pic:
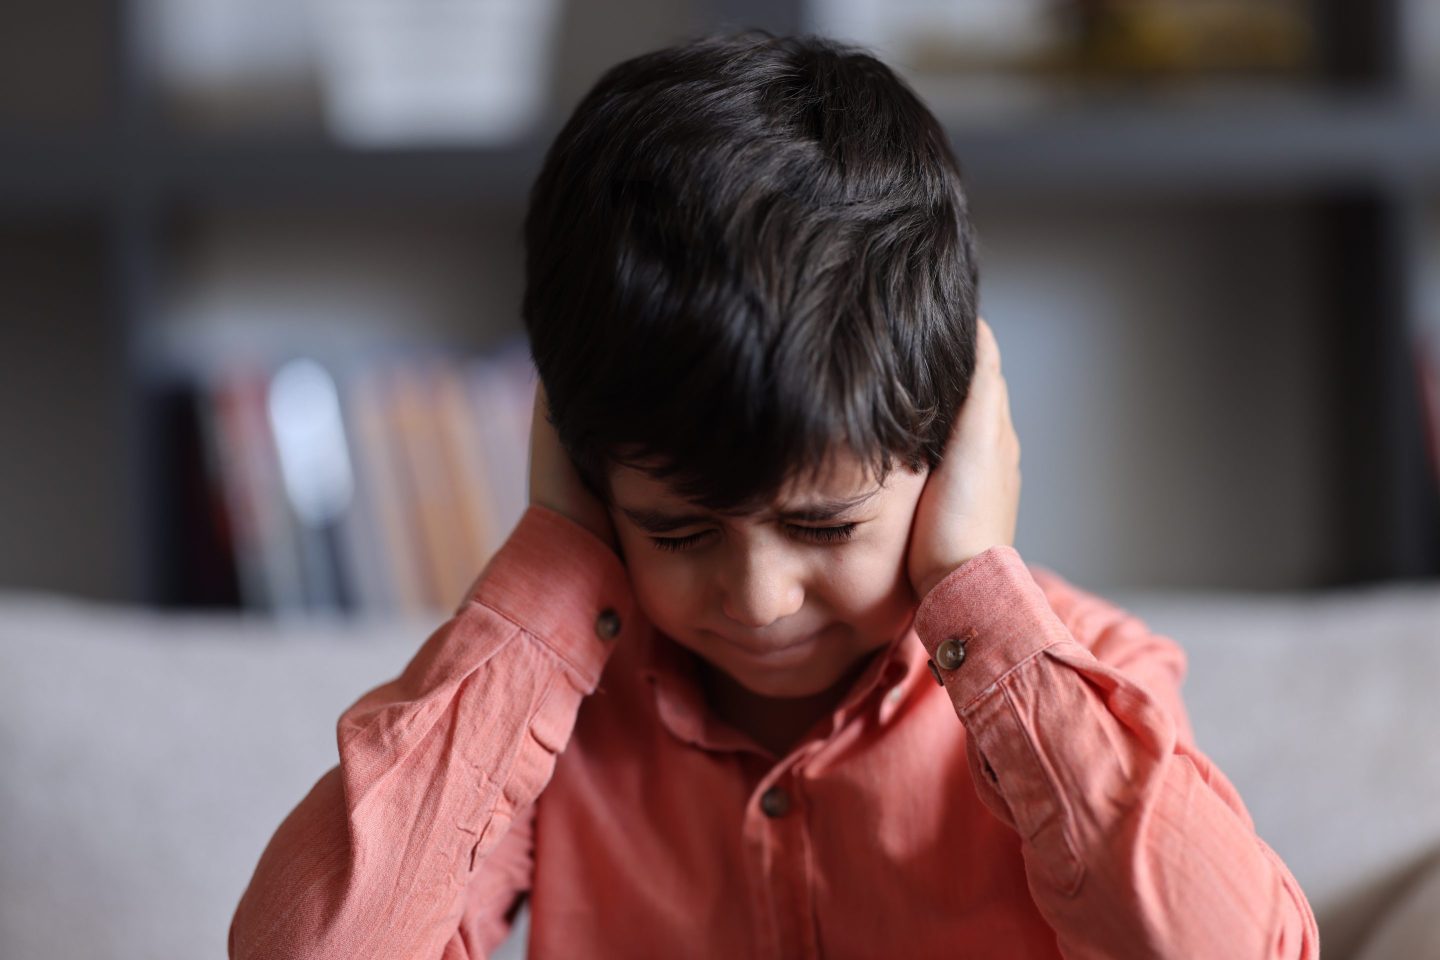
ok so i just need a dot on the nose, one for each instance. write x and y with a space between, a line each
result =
758 590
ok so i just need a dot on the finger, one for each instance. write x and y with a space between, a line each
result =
987 349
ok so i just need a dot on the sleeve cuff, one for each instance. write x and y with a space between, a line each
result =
565 586
993 607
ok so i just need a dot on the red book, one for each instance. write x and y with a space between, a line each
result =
266 548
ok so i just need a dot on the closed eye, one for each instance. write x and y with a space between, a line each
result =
836 534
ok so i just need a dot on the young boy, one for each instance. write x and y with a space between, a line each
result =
811 701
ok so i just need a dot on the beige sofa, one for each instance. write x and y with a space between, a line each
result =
148 757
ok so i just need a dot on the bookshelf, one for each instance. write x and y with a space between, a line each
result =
95 172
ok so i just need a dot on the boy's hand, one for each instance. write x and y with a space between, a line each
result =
554 481
971 499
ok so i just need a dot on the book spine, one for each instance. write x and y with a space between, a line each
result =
431 495
465 464
381 475
269 549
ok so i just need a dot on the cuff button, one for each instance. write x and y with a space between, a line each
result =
950 654
607 625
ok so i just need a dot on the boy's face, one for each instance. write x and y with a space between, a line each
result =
774 600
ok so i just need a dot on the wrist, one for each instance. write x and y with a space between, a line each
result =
924 584
937 572
597 524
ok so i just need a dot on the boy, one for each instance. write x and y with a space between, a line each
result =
765 599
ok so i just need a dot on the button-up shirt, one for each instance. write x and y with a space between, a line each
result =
1044 799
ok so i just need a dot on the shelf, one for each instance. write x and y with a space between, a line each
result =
1303 143
105 165
265 169
1289 144
1239 144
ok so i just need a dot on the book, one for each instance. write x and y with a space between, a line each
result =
381 492
431 499
264 536
318 480
465 460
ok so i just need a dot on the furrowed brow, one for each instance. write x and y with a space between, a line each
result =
658 521
827 509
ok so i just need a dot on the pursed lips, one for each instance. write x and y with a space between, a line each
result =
769 648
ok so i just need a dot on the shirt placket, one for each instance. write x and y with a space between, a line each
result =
779 865
777 855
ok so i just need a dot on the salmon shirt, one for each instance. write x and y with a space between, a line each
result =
1013 778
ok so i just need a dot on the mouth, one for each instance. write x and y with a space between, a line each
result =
771 650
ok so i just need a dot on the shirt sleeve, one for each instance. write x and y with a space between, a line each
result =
400 851
1135 844
494 892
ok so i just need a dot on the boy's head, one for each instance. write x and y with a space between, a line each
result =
751 285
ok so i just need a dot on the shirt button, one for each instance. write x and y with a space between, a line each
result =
950 654
607 625
775 802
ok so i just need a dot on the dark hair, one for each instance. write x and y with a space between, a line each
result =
743 252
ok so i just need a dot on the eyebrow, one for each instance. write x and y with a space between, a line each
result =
658 521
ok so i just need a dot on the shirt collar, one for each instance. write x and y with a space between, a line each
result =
672 673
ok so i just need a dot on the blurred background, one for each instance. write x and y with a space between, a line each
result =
1209 240
264 397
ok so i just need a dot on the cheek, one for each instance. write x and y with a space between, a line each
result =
870 578
663 583
864 579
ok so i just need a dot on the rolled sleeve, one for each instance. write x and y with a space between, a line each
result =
993 607
556 580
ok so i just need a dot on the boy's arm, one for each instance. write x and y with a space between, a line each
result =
1135 844
493 894
380 860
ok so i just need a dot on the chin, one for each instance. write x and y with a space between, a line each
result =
782 685
801 678
806 670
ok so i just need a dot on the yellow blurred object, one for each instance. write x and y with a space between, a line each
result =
1196 36
1120 38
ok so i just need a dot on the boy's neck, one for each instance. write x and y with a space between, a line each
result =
776 723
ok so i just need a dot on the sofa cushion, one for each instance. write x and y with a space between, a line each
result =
1410 930
148 759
